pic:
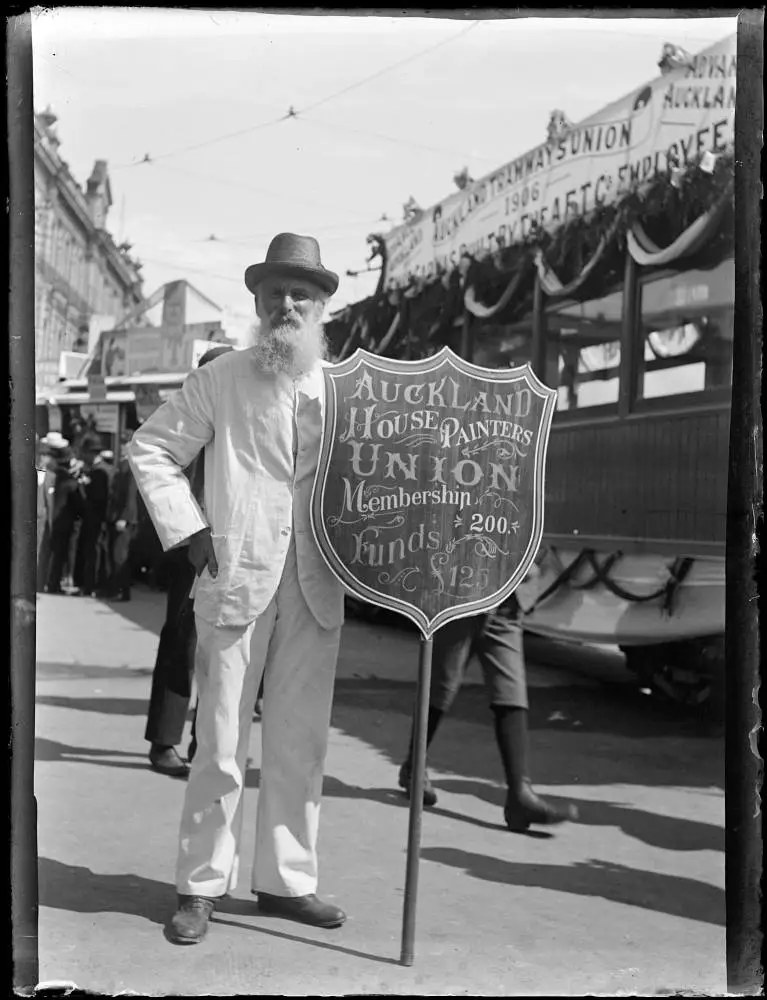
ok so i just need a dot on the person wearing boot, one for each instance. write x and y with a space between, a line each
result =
265 602
174 663
496 640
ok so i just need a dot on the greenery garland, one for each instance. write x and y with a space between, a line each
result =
666 206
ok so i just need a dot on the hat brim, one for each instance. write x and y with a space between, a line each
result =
327 280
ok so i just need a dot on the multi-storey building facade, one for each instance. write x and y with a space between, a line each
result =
80 272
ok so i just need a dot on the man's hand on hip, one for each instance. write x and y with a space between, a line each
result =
202 553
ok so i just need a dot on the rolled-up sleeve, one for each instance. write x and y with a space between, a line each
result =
164 446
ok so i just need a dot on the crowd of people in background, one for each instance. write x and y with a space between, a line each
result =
93 534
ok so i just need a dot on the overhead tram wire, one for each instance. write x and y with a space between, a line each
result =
183 268
388 69
230 182
291 113
329 232
151 159
394 139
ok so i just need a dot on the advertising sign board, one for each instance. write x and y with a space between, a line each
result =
665 124
429 492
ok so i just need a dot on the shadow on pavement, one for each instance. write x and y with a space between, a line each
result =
593 736
667 832
80 890
671 894
86 671
145 609
105 706
613 709
51 750
584 736
231 905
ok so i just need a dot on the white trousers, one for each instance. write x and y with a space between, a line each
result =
297 659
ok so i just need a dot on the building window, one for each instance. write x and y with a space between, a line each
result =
60 249
81 271
40 231
584 352
687 330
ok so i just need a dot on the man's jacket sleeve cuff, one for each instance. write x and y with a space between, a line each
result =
186 519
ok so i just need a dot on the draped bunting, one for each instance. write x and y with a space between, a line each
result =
356 325
452 306
485 312
703 192
387 337
551 284
648 254
567 576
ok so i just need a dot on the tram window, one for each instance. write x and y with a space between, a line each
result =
687 329
584 352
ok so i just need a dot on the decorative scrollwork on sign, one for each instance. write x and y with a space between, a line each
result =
510 450
397 521
416 439
476 447
402 578
486 546
440 559
506 449
371 490
336 519
497 500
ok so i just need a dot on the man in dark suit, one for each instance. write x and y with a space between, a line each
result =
68 506
174 665
121 523
95 481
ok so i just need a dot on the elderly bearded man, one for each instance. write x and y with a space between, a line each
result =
265 602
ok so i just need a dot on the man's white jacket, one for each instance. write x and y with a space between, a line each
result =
256 493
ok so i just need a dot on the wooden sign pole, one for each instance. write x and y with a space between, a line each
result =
416 802
428 500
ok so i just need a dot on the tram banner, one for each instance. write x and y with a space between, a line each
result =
668 123
428 498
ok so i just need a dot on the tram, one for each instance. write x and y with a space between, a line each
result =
120 405
610 271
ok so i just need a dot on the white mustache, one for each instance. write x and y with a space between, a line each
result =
290 320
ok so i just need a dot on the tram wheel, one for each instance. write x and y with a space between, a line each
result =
689 673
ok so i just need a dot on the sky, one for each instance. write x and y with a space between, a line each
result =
384 108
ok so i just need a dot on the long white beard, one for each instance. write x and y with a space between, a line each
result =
292 349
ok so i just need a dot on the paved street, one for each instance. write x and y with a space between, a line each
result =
628 900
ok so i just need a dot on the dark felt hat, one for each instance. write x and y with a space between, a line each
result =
295 255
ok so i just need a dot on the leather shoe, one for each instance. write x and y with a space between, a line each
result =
189 924
406 780
305 909
524 809
167 761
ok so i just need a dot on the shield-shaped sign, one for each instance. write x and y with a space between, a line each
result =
429 492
